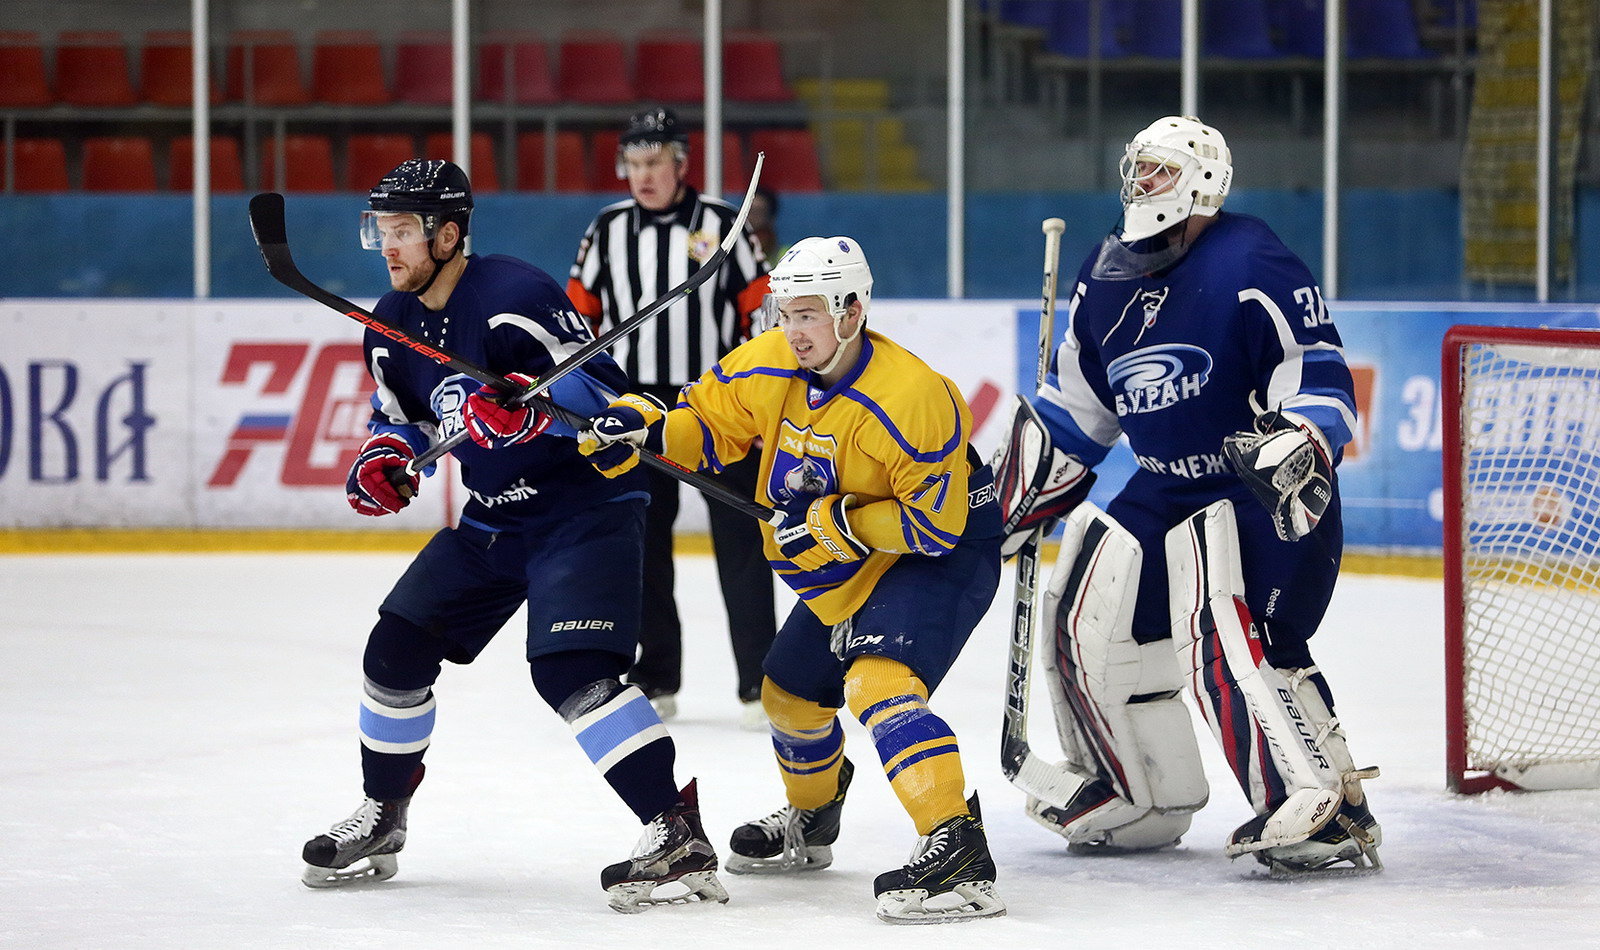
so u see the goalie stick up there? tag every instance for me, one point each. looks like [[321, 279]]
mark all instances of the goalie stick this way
[[272, 237], [1022, 767], [266, 220]]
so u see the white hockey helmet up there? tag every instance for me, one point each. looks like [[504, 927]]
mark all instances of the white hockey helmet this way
[[834, 268], [1176, 168]]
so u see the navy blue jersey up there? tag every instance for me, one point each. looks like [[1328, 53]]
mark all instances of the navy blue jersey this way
[[1178, 360], [509, 317]]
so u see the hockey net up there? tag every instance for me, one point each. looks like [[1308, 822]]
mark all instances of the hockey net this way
[[1522, 557]]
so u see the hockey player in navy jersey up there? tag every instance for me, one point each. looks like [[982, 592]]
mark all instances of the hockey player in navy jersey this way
[[1197, 335], [540, 527], [892, 542]]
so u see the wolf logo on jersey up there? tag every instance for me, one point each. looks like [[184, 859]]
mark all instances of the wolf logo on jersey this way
[[803, 465]]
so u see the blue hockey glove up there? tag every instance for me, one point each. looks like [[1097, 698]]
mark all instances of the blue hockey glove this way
[[815, 533], [493, 424], [612, 440], [369, 487]]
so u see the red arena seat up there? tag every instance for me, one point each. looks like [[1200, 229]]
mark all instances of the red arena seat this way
[[347, 69], [594, 70], [264, 69], [481, 146], [227, 171], [92, 69], [307, 163], [670, 67], [118, 163], [528, 62], [39, 165], [22, 77]]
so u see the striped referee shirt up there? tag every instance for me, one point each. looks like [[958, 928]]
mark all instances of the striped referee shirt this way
[[631, 256]]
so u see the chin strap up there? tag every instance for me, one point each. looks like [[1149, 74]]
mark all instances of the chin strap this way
[[838, 354]]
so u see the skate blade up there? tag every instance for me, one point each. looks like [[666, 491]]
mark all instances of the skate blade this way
[[1364, 863], [377, 867], [973, 900], [816, 858], [634, 897]]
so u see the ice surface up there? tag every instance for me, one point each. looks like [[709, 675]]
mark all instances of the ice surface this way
[[175, 726]]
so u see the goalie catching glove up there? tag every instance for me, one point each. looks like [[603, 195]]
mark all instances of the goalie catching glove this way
[[1288, 466], [493, 423], [1038, 484], [815, 533], [614, 436], [368, 486]]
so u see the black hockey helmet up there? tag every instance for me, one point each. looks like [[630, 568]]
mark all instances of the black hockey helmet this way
[[437, 191], [659, 125]]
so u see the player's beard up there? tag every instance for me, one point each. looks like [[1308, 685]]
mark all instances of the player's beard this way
[[412, 277]]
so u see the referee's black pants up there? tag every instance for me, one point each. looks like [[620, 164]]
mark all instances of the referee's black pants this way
[[742, 569]]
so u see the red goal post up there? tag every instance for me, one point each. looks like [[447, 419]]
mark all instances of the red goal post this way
[[1521, 557]]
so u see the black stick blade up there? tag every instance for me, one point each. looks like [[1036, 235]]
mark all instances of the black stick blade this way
[[266, 219]]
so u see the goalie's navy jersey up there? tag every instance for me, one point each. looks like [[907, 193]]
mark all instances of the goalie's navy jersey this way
[[506, 316], [1178, 360]]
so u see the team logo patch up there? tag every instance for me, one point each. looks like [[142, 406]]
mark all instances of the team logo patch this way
[[803, 466], [702, 244], [448, 399], [1153, 378]]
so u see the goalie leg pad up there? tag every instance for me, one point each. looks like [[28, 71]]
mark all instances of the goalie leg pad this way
[[1281, 739], [1251, 707], [1117, 702]]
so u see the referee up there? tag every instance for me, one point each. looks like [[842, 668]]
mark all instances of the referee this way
[[633, 252]]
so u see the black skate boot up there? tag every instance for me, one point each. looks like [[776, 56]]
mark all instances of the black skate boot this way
[[951, 869], [1315, 831], [790, 839], [673, 848], [376, 832]]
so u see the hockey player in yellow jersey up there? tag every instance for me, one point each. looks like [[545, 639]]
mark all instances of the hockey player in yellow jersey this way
[[890, 539]]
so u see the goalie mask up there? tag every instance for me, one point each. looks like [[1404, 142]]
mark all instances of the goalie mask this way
[[1175, 169], [834, 269]]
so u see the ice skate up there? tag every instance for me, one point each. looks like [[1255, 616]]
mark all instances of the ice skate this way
[[950, 877], [1315, 831], [672, 849], [790, 839], [372, 836]]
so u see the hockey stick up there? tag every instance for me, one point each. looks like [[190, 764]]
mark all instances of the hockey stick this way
[[266, 219], [1024, 769], [271, 234]]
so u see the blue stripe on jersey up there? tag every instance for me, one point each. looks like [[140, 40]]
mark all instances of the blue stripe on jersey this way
[[829, 576], [757, 371], [582, 394], [708, 448], [1065, 434], [956, 440], [919, 518]]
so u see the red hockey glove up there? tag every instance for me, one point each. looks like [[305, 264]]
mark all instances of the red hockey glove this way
[[368, 486], [493, 424]]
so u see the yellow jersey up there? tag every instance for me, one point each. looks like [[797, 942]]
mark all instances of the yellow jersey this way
[[892, 432]]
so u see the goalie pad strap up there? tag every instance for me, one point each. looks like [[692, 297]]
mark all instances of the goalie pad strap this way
[[1116, 701], [1260, 718]]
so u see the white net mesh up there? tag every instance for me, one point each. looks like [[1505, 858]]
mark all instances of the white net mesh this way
[[1530, 477]]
